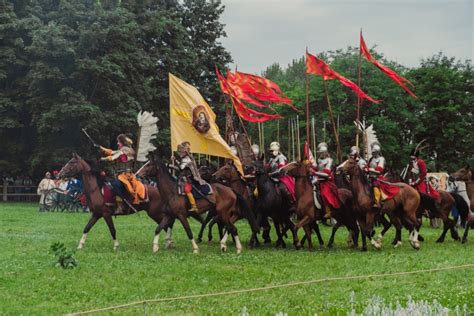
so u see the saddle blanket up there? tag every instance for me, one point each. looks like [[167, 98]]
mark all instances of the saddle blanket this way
[[204, 190]]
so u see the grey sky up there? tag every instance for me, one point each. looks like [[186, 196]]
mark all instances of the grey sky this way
[[261, 32]]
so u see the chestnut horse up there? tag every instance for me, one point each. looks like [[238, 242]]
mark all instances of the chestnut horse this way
[[225, 204], [97, 206], [306, 209], [466, 175], [401, 209]]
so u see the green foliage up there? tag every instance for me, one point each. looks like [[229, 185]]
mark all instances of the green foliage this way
[[29, 285], [64, 258], [67, 65], [443, 112]]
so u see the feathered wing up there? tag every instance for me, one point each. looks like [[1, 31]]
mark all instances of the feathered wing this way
[[369, 136], [147, 131]]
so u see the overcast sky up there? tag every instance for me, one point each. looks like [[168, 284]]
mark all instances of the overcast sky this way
[[260, 32]]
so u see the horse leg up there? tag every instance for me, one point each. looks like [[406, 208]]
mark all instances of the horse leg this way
[[90, 224], [169, 235], [184, 221], [233, 231], [203, 226], [333, 233], [307, 230], [318, 234], [386, 226], [291, 225], [446, 227], [454, 230], [280, 242], [369, 228], [266, 230], [466, 232], [110, 224]]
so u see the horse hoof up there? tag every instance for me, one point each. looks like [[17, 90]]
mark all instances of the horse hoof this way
[[420, 238], [416, 245], [199, 240], [464, 240], [170, 245], [397, 244], [363, 249], [380, 237], [223, 248], [80, 246], [439, 241], [156, 247], [376, 244], [239, 251], [330, 245], [195, 251]]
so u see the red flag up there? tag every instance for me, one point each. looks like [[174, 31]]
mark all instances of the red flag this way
[[387, 71], [241, 109], [316, 66]]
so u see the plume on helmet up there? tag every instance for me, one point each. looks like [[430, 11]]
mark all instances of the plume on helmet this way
[[368, 135], [147, 132]]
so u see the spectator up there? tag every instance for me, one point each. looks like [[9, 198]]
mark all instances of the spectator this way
[[56, 179], [74, 186], [44, 186]]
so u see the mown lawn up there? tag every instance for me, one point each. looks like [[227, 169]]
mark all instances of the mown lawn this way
[[30, 284]]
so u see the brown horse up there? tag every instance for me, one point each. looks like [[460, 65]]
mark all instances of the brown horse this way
[[223, 201], [401, 209], [466, 175], [437, 208], [97, 206], [306, 209]]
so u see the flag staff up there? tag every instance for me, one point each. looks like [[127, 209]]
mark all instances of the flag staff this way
[[359, 101], [333, 123], [307, 100]]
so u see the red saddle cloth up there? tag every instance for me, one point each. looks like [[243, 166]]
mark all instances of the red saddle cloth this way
[[289, 182], [329, 193], [109, 196], [422, 188], [388, 190]]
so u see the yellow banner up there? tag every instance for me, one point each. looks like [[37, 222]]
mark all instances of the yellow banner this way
[[193, 120]]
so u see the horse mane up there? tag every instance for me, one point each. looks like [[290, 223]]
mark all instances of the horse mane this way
[[95, 171], [162, 166]]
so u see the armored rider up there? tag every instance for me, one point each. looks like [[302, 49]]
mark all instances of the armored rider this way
[[276, 162], [376, 171], [188, 173], [123, 158]]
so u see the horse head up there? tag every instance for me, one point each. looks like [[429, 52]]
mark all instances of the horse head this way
[[349, 167], [463, 174], [227, 172], [297, 169], [74, 167]]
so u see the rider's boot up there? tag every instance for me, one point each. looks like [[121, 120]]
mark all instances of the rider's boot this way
[[192, 201], [377, 197]]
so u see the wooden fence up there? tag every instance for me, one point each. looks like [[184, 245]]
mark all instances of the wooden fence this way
[[19, 193]]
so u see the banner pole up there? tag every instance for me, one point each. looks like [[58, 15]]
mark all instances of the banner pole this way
[[359, 101]]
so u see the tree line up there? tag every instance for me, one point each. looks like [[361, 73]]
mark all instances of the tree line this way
[[72, 64]]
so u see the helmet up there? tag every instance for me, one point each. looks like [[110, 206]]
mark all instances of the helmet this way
[[322, 148], [233, 149], [255, 149], [375, 146], [124, 140], [274, 146], [354, 151], [184, 148]]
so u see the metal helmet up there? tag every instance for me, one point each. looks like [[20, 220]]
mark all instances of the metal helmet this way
[[274, 146], [375, 147], [233, 149], [354, 151], [255, 149], [322, 148]]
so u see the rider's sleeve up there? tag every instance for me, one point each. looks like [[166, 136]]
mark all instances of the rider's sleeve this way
[[115, 154], [423, 172], [106, 151]]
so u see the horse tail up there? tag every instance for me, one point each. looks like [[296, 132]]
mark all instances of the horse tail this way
[[247, 213], [461, 205]]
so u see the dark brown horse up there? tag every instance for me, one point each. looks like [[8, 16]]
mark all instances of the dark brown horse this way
[[97, 206], [223, 201], [306, 209], [466, 175], [401, 209]]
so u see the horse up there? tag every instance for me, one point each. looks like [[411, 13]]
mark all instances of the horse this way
[[439, 208], [272, 203], [401, 209], [225, 204], [230, 176], [306, 209], [95, 200], [466, 175]]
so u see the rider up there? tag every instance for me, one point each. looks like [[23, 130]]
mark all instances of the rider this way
[[277, 161], [326, 179], [189, 172], [355, 154], [419, 179], [376, 171], [123, 158]]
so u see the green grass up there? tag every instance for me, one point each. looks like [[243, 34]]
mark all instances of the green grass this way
[[30, 284]]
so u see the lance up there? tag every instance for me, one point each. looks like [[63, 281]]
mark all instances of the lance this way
[[90, 138]]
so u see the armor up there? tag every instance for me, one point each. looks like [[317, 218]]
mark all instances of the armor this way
[[256, 150], [325, 163], [355, 154], [322, 147], [377, 162]]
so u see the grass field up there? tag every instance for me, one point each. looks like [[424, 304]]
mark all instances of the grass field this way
[[31, 285]]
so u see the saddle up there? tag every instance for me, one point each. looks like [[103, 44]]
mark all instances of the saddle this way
[[318, 200], [199, 191]]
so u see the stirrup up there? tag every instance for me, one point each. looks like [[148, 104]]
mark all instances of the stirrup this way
[[193, 209]]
